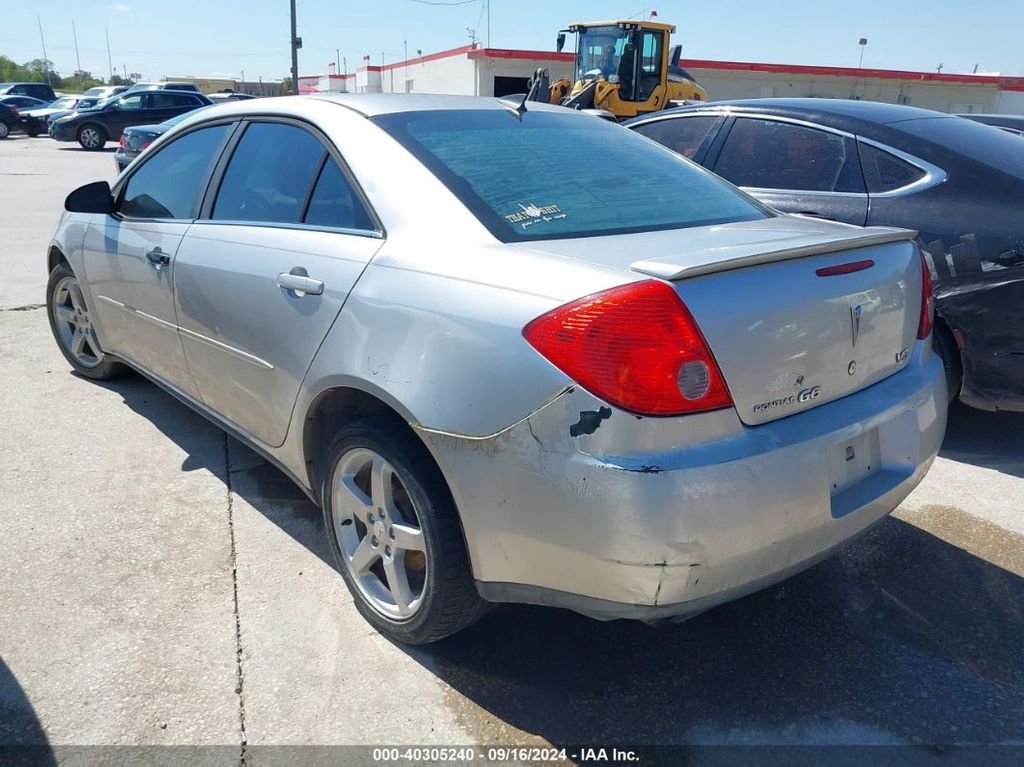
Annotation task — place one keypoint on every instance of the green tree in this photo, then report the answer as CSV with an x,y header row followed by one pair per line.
x,y
286,85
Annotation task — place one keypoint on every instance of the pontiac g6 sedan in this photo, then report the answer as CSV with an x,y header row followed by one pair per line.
x,y
507,371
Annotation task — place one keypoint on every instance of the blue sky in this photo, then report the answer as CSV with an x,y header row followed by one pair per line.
x,y
206,37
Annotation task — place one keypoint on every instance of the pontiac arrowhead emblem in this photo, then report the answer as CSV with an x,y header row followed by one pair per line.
x,y
855,312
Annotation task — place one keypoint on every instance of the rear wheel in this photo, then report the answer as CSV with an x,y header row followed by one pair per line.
x,y
92,137
72,327
5,130
396,536
945,346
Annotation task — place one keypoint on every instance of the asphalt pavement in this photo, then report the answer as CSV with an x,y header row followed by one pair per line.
x,y
161,584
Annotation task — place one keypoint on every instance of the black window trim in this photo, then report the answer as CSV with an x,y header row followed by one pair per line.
x,y
227,152
850,137
135,167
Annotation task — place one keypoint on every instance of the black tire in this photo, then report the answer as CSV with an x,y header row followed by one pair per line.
x,y
945,346
450,601
5,130
92,137
32,132
105,367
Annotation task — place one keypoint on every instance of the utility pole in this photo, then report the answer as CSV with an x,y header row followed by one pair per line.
x,y
296,43
488,22
337,61
863,43
46,65
110,62
78,60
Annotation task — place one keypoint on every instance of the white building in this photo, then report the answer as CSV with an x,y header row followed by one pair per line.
x,y
477,71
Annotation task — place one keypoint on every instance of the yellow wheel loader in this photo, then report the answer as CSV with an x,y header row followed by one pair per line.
x,y
623,68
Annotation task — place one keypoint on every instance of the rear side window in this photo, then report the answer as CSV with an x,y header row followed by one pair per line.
x,y
270,175
775,155
334,203
548,175
167,185
682,135
885,172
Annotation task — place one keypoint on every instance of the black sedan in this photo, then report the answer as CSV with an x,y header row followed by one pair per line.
x,y
135,139
93,128
959,183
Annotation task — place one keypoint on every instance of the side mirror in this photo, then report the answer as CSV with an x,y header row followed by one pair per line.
x,y
91,198
560,42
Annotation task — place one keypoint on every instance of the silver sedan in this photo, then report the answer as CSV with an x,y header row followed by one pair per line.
x,y
516,355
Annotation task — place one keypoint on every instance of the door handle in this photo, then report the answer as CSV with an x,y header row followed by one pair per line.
x,y
157,257
298,281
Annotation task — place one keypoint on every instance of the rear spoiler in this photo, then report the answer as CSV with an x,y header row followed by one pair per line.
x,y
710,260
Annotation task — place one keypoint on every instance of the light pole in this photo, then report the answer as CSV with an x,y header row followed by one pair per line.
x,y
863,43
296,44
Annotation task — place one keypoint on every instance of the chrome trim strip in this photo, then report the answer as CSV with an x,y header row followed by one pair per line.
x,y
803,192
225,348
251,358
371,233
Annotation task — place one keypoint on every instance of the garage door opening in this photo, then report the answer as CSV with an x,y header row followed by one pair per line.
x,y
506,86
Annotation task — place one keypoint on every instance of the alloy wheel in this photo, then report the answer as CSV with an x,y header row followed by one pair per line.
x,y
73,324
90,137
379,534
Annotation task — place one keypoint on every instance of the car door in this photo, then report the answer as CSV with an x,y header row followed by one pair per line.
x,y
794,167
122,113
164,106
263,274
129,255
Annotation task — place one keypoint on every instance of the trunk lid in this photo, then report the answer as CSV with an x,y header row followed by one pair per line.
x,y
792,334
787,336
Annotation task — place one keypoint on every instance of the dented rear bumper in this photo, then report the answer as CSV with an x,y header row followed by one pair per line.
x,y
594,509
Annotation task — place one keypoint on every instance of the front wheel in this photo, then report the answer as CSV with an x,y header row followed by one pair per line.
x,y
92,137
5,130
72,327
396,537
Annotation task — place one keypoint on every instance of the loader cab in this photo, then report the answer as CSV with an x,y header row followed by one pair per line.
x,y
631,55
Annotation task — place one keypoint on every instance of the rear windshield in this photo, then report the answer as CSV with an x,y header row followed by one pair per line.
x,y
557,176
985,143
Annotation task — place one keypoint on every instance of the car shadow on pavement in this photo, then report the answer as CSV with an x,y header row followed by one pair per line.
x,y
991,440
22,738
900,638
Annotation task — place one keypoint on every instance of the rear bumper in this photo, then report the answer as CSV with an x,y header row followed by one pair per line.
x,y
659,518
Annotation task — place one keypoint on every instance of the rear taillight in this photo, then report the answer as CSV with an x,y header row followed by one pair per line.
x,y
924,324
636,346
15,111
121,142
144,145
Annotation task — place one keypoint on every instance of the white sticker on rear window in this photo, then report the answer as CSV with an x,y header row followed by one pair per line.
x,y
531,214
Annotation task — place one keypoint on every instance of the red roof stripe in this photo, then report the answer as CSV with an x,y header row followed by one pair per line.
x,y
1007,83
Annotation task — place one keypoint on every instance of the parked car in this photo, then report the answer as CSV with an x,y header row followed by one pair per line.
x,y
93,128
229,96
41,91
35,121
172,86
22,102
9,121
137,138
508,379
957,182
104,92
1010,123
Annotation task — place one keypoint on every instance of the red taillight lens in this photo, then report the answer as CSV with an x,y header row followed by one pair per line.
x,y
636,346
121,142
144,145
924,325
15,111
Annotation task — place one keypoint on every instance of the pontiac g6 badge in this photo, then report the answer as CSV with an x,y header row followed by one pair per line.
x,y
855,312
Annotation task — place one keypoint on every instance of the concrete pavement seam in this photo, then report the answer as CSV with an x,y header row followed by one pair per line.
x,y
239,675
23,308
